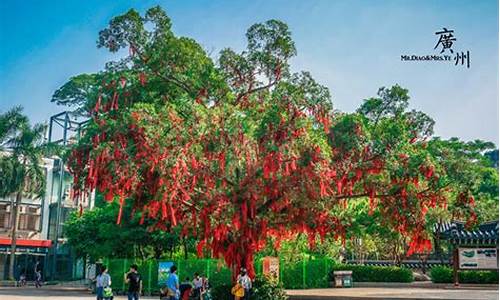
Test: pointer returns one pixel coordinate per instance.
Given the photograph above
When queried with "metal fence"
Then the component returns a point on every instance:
(308, 273)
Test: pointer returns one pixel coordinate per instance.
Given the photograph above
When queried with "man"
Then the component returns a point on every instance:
(134, 281)
(38, 279)
(173, 284)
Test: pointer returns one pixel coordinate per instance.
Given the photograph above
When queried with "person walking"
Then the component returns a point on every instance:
(103, 281)
(99, 290)
(38, 279)
(22, 278)
(173, 284)
(134, 281)
(245, 281)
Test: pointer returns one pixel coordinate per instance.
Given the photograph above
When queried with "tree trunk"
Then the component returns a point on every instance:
(13, 240)
(424, 263)
(158, 252)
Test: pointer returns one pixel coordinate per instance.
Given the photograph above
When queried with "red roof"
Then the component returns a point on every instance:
(27, 243)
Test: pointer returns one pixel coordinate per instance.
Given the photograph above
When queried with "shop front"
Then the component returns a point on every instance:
(30, 256)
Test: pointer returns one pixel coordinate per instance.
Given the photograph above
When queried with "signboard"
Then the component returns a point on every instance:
(24, 250)
(478, 258)
(271, 267)
(164, 271)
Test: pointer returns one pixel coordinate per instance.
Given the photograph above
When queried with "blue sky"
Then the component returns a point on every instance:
(353, 47)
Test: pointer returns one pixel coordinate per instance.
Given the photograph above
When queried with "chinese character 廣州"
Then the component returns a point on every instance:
(462, 58)
(446, 39)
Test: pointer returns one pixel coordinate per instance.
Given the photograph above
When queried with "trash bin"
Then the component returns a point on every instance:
(343, 279)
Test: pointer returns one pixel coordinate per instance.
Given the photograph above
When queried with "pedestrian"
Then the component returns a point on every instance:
(38, 279)
(22, 278)
(245, 281)
(198, 285)
(185, 289)
(103, 285)
(173, 291)
(134, 281)
(205, 291)
(17, 273)
(99, 292)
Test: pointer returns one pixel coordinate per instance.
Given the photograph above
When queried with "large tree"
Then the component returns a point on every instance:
(243, 151)
(21, 168)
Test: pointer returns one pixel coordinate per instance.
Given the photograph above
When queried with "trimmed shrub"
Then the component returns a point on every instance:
(443, 274)
(263, 289)
(361, 273)
(483, 277)
(221, 291)
(267, 289)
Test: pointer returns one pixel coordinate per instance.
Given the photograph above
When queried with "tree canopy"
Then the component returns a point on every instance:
(23, 147)
(96, 235)
(240, 151)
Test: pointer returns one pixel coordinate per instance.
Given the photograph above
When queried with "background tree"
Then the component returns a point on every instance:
(243, 150)
(487, 190)
(95, 235)
(22, 173)
(493, 156)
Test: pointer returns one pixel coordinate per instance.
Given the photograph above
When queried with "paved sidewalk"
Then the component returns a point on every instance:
(385, 293)
(389, 293)
(51, 292)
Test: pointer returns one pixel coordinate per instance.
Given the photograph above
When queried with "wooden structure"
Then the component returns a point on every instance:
(475, 249)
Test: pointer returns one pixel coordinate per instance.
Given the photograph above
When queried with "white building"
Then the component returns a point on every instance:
(37, 230)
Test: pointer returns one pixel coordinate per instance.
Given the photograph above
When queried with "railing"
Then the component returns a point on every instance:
(410, 264)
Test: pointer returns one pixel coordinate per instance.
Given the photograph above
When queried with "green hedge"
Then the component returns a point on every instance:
(265, 288)
(308, 273)
(445, 275)
(441, 275)
(221, 291)
(362, 273)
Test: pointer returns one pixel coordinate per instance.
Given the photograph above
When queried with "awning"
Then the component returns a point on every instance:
(27, 243)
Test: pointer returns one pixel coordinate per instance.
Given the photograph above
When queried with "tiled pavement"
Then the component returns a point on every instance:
(364, 293)
(391, 293)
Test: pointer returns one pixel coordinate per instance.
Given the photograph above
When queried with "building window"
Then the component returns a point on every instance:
(4, 216)
(29, 219)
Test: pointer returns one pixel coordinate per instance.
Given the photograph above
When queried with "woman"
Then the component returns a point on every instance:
(103, 281)
(245, 281)
(198, 286)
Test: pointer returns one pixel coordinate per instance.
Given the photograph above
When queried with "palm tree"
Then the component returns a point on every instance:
(20, 165)
(10, 122)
